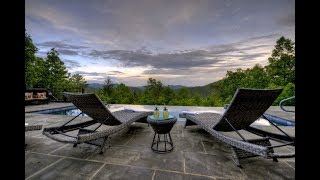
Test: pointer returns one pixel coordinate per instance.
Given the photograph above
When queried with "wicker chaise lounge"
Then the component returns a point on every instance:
(246, 106)
(91, 105)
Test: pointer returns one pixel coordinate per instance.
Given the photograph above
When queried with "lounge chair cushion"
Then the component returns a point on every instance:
(41, 95)
(208, 119)
(28, 95)
(125, 116)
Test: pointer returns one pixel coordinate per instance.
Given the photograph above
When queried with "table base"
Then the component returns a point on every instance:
(165, 142)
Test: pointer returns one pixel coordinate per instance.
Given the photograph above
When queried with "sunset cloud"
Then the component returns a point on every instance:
(182, 42)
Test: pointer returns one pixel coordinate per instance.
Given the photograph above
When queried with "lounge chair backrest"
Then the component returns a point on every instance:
(91, 105)
(246, 106)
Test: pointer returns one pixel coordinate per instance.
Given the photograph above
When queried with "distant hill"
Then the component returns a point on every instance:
(202, 90)
(95, 85)
(138, 88)
(175, 87)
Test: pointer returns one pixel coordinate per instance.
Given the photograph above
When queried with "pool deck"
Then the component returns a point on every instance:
(196, 154)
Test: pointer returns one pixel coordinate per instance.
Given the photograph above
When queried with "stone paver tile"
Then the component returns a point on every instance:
(116, 155)
(188, 144)
(35, 162)
(123, 172)
(82, 151)
(45, 145)
(211, 165)
(33, 133)
(291, 163)
(160, 175)
(291, 148)
(119, 139)
(69, 169)
(217, 147)
(261, 168)
(145, 139)
(127, 156)
(170, 161)
(140, 140)
(32, 140)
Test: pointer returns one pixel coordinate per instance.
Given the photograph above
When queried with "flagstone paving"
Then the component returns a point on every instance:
(196, 154)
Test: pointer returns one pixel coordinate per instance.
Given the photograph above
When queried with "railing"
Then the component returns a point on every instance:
(285, 100)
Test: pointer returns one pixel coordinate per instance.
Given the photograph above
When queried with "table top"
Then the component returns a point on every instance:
(151, 117)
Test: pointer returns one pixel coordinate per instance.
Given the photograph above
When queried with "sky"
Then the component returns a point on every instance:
(179, 42)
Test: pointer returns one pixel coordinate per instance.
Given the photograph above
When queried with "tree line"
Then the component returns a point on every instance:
(279, 73)
(51, 72)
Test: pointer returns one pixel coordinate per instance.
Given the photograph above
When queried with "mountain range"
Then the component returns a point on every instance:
(202, 90)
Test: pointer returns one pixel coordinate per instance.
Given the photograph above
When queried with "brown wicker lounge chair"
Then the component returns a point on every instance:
(91, 105)
(246, 106)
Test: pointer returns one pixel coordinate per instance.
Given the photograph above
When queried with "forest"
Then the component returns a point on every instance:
(51, 73)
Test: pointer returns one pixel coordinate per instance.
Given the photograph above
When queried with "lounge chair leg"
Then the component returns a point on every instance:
(75, 145)
(235, 157)
(275, 159)
(103, 144)
(101, 150)
(236, 161)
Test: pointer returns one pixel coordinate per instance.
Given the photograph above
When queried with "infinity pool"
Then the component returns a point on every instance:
(72, 111)
(173, 110)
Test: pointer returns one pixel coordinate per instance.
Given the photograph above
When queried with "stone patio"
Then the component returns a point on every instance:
(196, 154)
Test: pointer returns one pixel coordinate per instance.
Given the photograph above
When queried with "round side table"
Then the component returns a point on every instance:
(162, 127)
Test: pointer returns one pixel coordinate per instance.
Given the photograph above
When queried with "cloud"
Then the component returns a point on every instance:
(109, 73)
(179, 40)
(163, 60)
(89, 73)
(192, 67)
(248, 49)
(66, 51)
(261, 38)
(115, 73)
(62, 47)
(60, 44)
(287, 20)
(41, 53)
(161, 24)
(70, 64)
(249, 57)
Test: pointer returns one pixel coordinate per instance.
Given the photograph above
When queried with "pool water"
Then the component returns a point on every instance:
(68, 112)
(73, 111)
